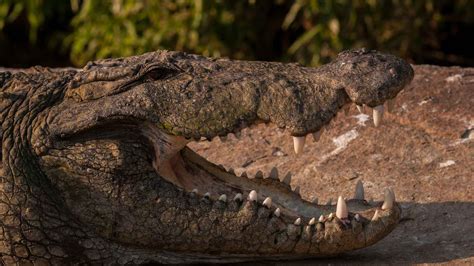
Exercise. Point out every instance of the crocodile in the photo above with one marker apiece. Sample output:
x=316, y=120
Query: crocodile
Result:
x=95, y=167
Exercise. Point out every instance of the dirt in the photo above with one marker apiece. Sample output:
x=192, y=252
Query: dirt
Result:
x=424, y=150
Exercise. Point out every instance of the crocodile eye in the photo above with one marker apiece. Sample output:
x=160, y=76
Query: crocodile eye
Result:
x=160, y=73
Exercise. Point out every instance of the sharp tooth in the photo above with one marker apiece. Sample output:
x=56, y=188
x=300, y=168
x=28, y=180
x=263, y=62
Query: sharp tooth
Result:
x=357, y=217
x=330, y=215
x=297, y=221
x=298, y=143
x=388, y=199
x=287, y=179
x=238, y=197
x=252, y=195
x=376, y=215
x=195, y=191
x=329, y=202
x=390, y=105
x=274, y=173
x=321, y=218
x=267, y=202
x=393, y=71
x=207, y=195
x=277, y=212
x=223, y=198
x=377, y=115
x=259, y=175
x=360, y=108
x=312, y=221
x=346, y=110
x=297, y=190
x=341, y=209
x=359, y=191
x=237, y=135
x=317, y=135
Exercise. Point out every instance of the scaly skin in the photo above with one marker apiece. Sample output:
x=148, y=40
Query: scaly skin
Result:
x=95, y=168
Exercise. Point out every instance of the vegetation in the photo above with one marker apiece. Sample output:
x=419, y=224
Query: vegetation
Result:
x=308, y=31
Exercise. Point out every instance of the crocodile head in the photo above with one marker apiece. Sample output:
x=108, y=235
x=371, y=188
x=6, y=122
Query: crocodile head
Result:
x=96, y=168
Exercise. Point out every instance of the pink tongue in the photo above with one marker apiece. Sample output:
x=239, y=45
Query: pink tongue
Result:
x=166, y=149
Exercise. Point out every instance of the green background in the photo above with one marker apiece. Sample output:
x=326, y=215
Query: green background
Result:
x=61, y=33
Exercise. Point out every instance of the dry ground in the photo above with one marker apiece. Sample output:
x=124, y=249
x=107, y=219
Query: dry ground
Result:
x=424, y=150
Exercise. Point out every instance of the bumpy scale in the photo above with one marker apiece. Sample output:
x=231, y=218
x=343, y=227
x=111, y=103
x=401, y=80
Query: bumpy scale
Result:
x=95, y=168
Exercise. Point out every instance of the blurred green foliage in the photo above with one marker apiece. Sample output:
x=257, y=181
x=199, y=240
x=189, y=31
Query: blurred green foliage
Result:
x=308, y=31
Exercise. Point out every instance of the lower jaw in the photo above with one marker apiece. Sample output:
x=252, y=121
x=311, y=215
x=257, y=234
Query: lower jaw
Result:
x=193, y=173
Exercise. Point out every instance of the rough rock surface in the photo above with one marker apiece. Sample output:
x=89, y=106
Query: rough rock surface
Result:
x=424, y=150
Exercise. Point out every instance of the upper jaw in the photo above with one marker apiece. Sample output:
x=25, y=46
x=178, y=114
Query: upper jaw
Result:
x=373, y=85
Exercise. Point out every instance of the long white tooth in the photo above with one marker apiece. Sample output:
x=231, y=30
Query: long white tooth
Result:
x=267, y=202
x=298, y=144
x=390, y=105
x=359, y=191
x=223, y=198
x=238, y=197
x=312, y=221
x=297, y=221
x=341, y=209
x=360, y=108
x=253, y=195
x=274, y=173
x=277, y=212
x=376, y=215
x=389, y=198
x=377, y=115
x=321, y=218
x=317, y=135
x=330, y=215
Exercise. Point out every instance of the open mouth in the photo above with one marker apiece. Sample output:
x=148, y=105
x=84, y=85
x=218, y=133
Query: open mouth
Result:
x=99, y=166
x=189, y=171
